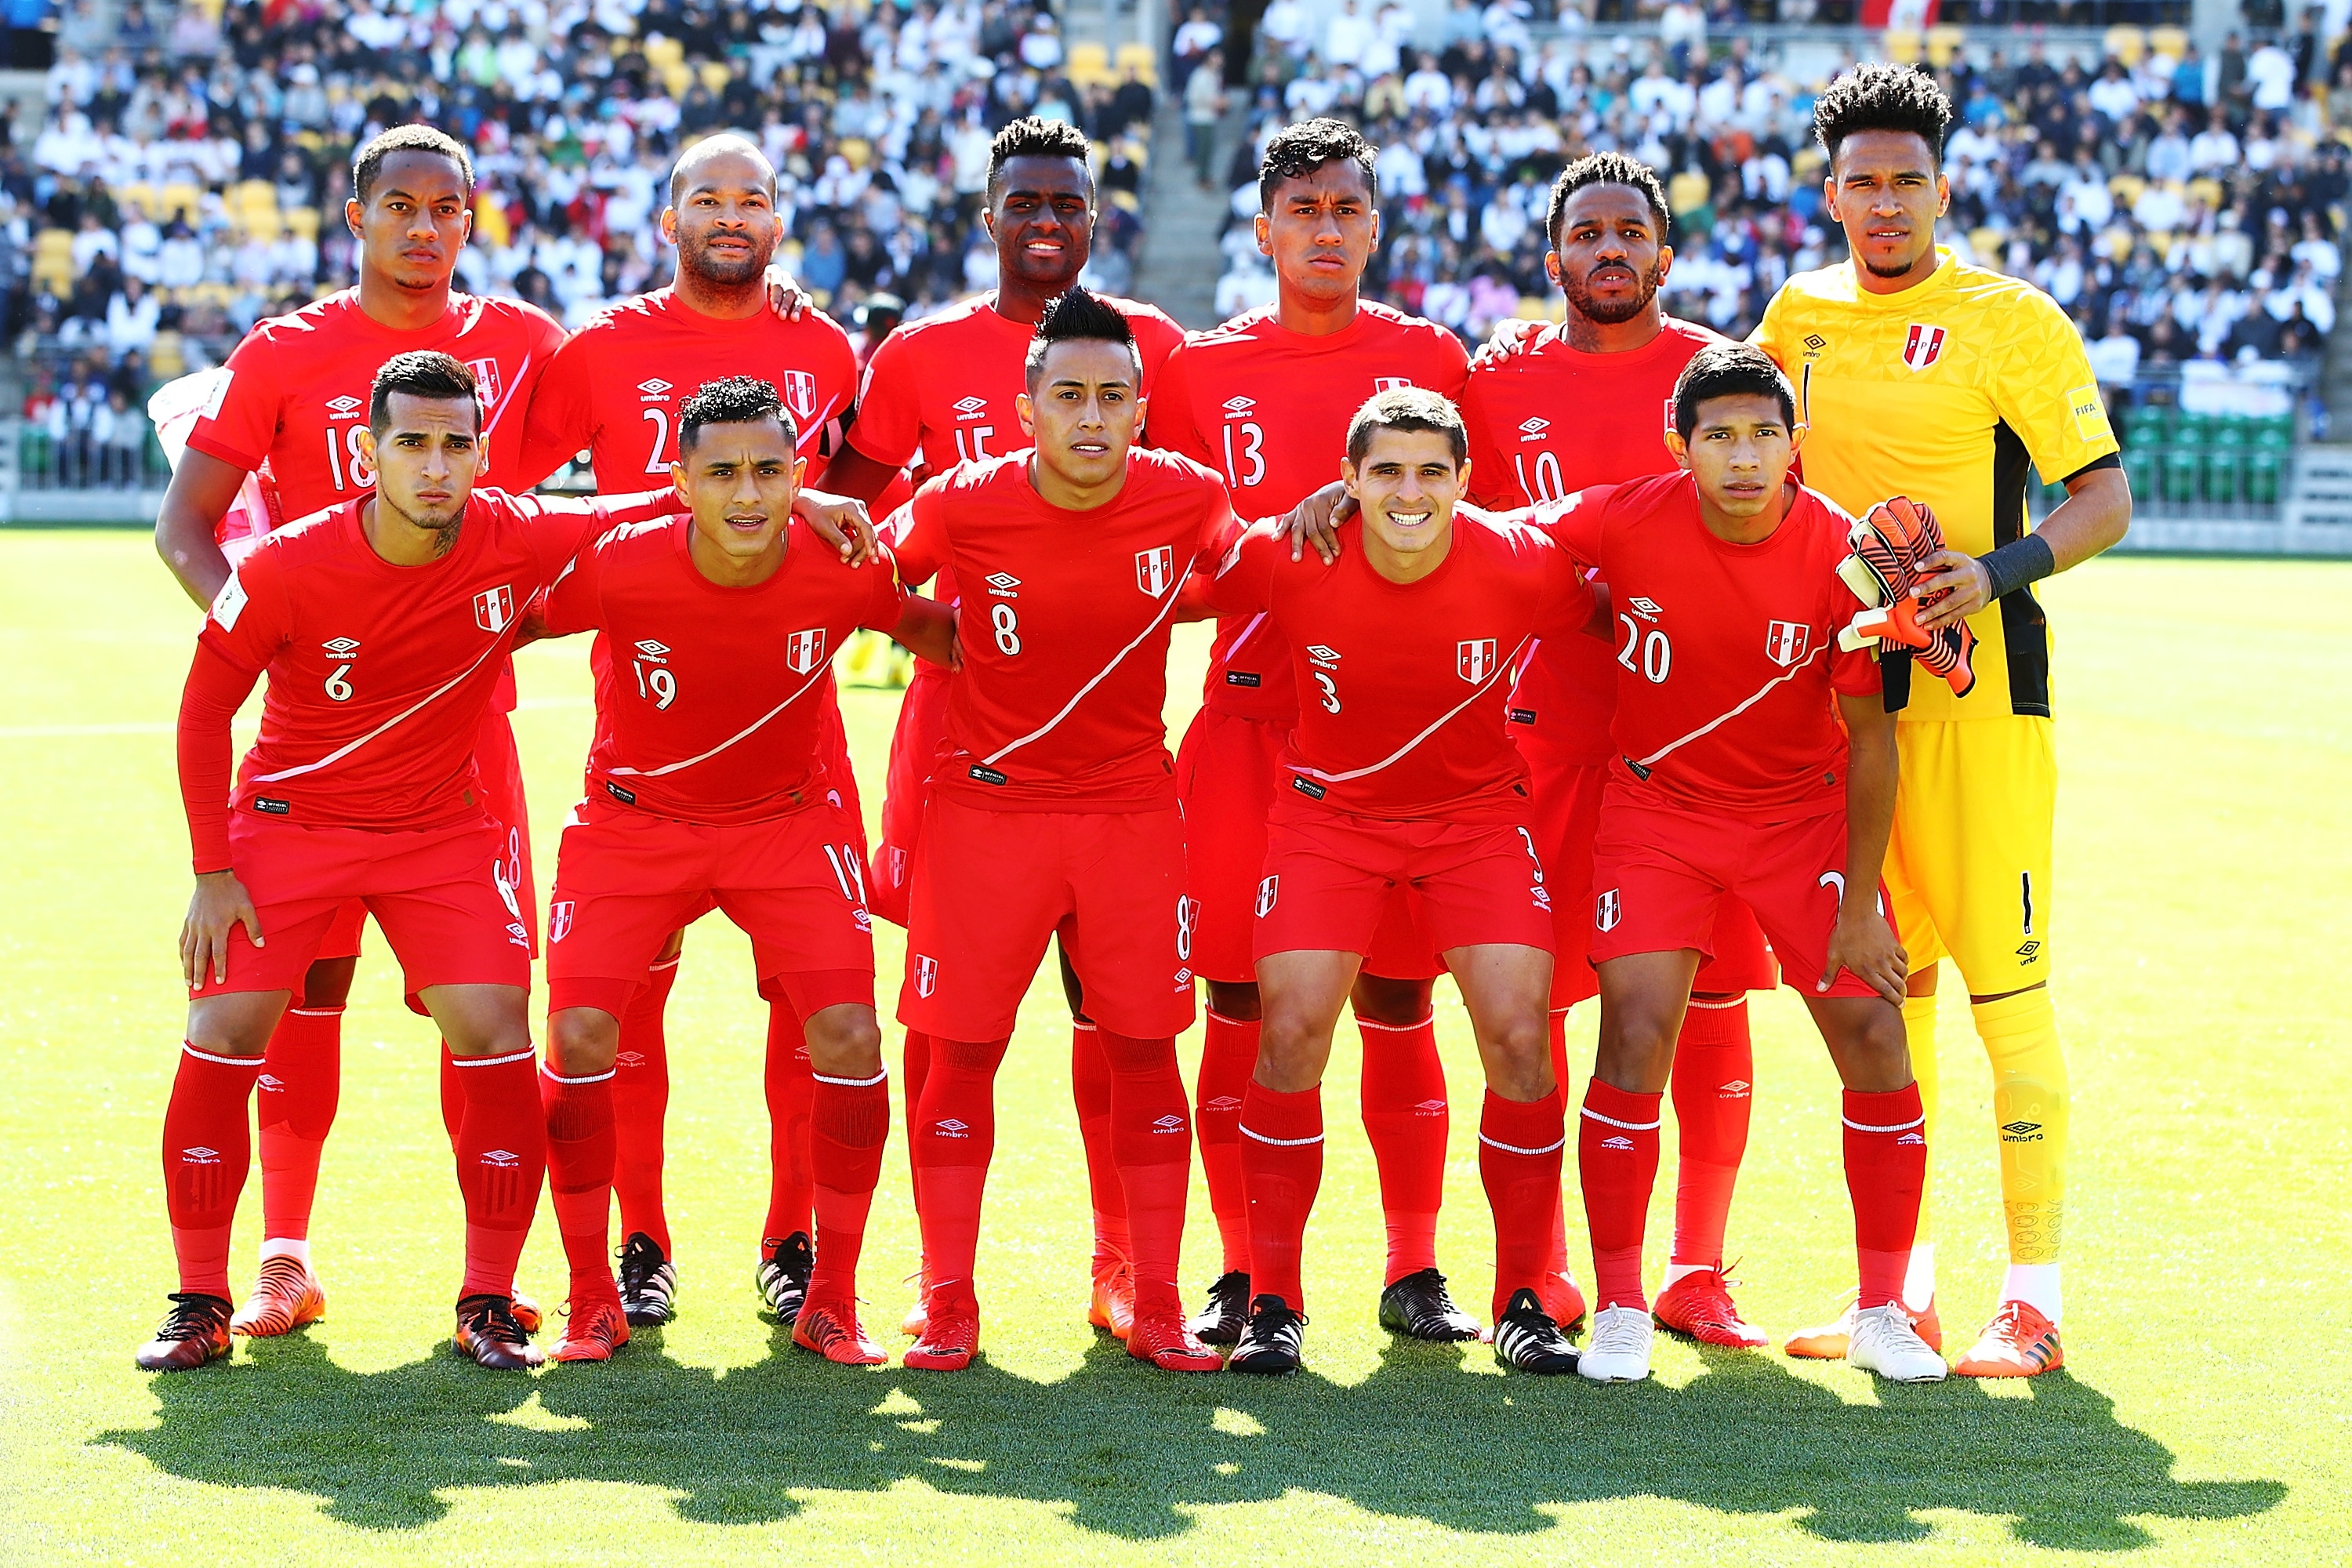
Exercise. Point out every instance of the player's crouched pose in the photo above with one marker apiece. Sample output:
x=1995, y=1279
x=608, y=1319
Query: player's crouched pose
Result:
x=1733, y=778
x=383, y=626
x=1400, y=771
x=708, y=786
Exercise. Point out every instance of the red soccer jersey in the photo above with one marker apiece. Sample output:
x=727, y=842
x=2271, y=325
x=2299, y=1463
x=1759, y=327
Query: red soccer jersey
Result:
x=1405, y=681
x=1726, y=653
x=1268, y=408
x=1545, y=423
x=716, y=708
x=379, y=675
x=613, y=389
x=296, y=397
x=1065, y=629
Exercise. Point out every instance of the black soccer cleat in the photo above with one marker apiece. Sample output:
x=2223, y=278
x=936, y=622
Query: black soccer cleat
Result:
x=1527, y=1339
x=1223, y=1316
x=1418, y=1307
x=1274, y=1343
x=488, y=1334
x=648, y=1283
x=784, y=1277
x=193, y=1333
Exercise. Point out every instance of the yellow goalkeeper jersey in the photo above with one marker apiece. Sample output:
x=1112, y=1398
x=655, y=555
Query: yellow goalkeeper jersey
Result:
x=1945, y=392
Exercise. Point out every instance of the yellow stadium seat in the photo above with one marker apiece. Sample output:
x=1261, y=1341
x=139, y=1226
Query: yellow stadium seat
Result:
x=138, y=192
x=857, y=150
x=1143, y=57
x=179, y=196
x=1686, y=190
x=2170, y=42
x=713, y=74
x=303, y=221
x=2206, y=191
x=1088, y=65
x=2161, y=241
x=1901, y=46
x=1987, y=243
x=2127, y=43
x=1943, y=43
x=676, y=77
x=2125, y=188
x=167, y=356
x=252, y=196
x=1126, y=202
x=662, y=51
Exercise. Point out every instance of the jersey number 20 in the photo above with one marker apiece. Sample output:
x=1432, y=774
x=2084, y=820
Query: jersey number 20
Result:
x=1649, y=646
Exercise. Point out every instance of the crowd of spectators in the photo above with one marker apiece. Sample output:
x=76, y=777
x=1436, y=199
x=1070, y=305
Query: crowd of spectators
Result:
x=2180, y=205
x=188, y=175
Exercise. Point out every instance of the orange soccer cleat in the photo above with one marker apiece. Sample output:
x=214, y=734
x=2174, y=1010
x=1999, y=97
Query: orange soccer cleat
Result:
x=487, y=1333
x=286, y=1296
x=1162, y=1339
x=594, y=1332
x=1699, y=1306
x=951, y=1338
x=1112, y=1306
x=1827, y=1341
x=195, y=1333
x=2019, y=1342
x=831, y=1330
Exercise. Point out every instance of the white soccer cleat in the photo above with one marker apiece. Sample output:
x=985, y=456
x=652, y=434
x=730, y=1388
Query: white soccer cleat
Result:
x=1620, y=1348
x=1882, y=1340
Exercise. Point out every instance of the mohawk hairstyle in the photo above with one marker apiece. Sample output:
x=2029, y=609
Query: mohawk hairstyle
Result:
x=1876, y=96
x=1608, y=169
x=1075, y=316
x=1035, y=138
x=368, y=162
x=421, y=373
x=1729, y=369
x=734, y=400
x=1301, y=149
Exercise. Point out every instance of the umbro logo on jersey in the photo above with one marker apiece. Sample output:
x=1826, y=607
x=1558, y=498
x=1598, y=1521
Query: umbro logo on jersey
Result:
x=1608, y=910
x=1154, y=570
x=494, y=608
x=200, y=1156
x=1815, y=344
x=1429, y=1108
x=629, y=1059
x=2028, y=949
x=1239, y=408
x=1533, y=429
x=1474, y=659
x=654, y=390
x=805, y=650
x=655, y=651
x=951, y=1128
x=970, y=407
x=1324, y=658
x=1225, y=1102
x=344, y=407
x=342, y=647
x=1910, y=1138
x=1923, y=345
x=1003, y=583
x=1787, y=642
x=1648, y=609
x=1172, y=1122
x=559, y=919
x=1617, y=1140
x=504, y=1159
x=1738, y=1088
x=926, y=974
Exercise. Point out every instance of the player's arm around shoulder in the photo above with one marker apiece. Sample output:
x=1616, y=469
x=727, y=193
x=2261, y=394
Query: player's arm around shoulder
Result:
x=924, y=628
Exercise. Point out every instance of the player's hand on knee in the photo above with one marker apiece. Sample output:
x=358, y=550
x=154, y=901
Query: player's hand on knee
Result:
x=1863, y=944
x=219, y=903
x=1315, y=520
x=841, y=523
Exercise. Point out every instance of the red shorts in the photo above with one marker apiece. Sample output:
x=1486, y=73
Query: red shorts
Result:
x=625, y=879
x=1567, y=814
x=1660, y=871
x=1330, y=877
x=440, y=894
x=1227, y=774
x=991, y=887
x=914, y=749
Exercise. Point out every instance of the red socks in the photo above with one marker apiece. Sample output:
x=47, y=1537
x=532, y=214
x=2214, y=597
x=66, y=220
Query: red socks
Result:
x=301, y=1077
x=1714, y=1067
x=1228, y=1057
x=1557, y=1272
x=1519, y=1149
x=501, y=1156
x=206, y=1153
x=792, y=1090
x=1151, y=1139
x=849, y=1120
x=914, y=1071
x=1617, y=1159
x=1281, y=1166
x=1885, y=1167
x=640, y=1101
x=1090, y=1090
x=580, y=1175
x=1405, y=1116
x=953, y=1139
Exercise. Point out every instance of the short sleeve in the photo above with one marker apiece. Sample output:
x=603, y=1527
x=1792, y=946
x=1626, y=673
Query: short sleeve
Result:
x=916, y=534
x=238, y=424
x=1856, y=673
x=558, y=424
x=2040, y=379
x=889, y=427
x=1575, y=523
x=1216, y=530
x=1158, y=339
x=249, y=621
x=562, y=526
x=886, y=597
x=1487, y=486
x=1451, y=377
x=575, y=604
x=1244, y=581
x=1771, y=334
x=1567, y=606
x=1168, y=416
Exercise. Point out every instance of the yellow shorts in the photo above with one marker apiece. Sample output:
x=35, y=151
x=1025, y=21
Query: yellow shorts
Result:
x=1968, y=869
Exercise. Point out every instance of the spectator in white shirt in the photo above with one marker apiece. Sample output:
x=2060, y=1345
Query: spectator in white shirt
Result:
x=1285, y=25
x=2113, y=94
x=1345, y=35
x=2270, y=73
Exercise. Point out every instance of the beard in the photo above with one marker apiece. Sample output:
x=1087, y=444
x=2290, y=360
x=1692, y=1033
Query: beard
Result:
x=1613, y=314
x=713, y=268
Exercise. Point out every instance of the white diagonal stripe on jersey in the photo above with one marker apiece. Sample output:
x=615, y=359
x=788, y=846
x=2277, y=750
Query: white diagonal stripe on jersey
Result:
x=755, y=726
x=1242, y=635
x=1628, y=1126
x=1729, y=714
x=340, y=753
x=998, y=755
x=1435, y=725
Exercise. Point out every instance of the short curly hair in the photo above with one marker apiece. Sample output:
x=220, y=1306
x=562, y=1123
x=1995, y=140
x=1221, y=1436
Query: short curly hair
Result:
x=1301, y=149
x=1035, y=138
x=368, y=162
x=732, y=400
x=1876, y=96
x=1608, y=169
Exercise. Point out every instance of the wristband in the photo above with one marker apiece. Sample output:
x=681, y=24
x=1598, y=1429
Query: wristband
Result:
x=2017, y=563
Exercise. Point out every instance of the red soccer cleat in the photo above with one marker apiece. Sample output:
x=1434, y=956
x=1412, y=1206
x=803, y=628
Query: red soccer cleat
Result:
x=834, y=1333
x=1167, y=1344
x=1563, y=1302
x=918, y=1315
x=950, y=1338
x=193, y=1334
x=1112, y=1308
x=594, y=1332
x=2019, y=1342
x=286, y=1296
x=1700, y=1307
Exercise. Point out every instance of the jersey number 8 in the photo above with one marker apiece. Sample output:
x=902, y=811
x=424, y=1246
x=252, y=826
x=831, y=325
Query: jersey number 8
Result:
x=1008, y=628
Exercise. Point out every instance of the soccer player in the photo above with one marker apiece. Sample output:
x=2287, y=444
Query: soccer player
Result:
x=1400, y=773
x=293, y=408
x=1266, y=399
x=383, y=626
x=616, y=390
x=943, y=391
x=1053, y=807
x=1941, y=380
x=712, y=780
x=1733, y=778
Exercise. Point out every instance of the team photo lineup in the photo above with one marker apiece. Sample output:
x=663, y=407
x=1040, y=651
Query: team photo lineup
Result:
x=1617, y=667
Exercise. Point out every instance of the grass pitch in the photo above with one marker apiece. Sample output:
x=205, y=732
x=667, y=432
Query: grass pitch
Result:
x=2203, y=862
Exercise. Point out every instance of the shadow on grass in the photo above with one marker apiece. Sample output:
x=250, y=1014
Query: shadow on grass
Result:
x=1132, y=1453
